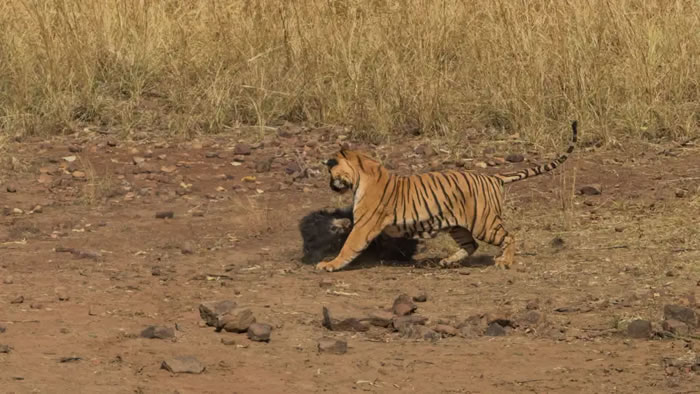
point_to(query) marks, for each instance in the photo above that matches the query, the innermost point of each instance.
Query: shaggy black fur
(325, 231)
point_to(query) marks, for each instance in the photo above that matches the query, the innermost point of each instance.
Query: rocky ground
(147, 265)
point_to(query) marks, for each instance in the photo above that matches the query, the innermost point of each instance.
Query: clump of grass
(625, 69)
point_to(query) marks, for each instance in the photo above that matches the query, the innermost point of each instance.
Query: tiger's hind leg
(498, 236)
(467, 246)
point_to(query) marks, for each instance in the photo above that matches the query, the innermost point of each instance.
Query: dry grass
(626, 69)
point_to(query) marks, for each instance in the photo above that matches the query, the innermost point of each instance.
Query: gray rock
(213, 312)
(515, 158)
(242, 149)
(420, 297)
(495, 330)
(682, 314)
(380, 318)
(238, 320)
(5, 348)
(183, 364)
(675, 327)
(259, 332)
(400, 321)
(590, 190)
(639, 328)
(158, 332)
(403, 305)
(415, 331)
(332, 346)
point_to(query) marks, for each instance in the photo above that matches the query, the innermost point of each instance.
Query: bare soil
(85, 272)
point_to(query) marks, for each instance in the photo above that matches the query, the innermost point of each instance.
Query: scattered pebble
(332, 346)
(403, 305)
(237, 320)
(480, 164)
(242, 149)
(187, 248)
(165, 215)
(590, 190)
(8, 280)
(62, 294)
(639, 328)
(17, 300)
(682, 314)
(259, 332)
(420, 298)
(158, 332)
(11, 189)
(183, 364)
(214, 312)
(228, 341)
(5, 348)
(2, 329)
(515, 158)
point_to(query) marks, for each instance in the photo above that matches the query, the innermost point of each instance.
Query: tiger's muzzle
(339, 185)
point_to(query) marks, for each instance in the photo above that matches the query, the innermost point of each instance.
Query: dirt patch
(96, 265)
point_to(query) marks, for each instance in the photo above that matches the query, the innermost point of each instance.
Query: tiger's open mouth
(339, 185)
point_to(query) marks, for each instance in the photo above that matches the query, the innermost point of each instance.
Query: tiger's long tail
(534, 171)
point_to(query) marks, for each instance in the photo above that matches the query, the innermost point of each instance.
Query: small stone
(75, 149)
(17, 300)
(212, 155)
(398, 322)
(213, 312)
(326, 283)
(413, 331)
(332, 346)
(165, 215)
(187, 248)
(2, 329)
(242, 149)
(532, 305)
(228, 341)
(158, 332)
(445, 330)
(675, 327)
(491, 163)
(590, 190)
(381, 318)
(531, 317)
(515, 158)
(420, 298)
(264, 165)
(680, 193)
(8, 280)
(495, 330)
(62, 294)
(5, 348)
(138, 160)
(259, 332)
(79, 175)
(403, 305)
(639, 329)
(183, 364)
(238, 320)
(11, 189)
(36, 305)
(425, 150)
(480, 164)
(681, 313)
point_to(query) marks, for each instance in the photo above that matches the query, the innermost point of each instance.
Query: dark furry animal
(324, 232)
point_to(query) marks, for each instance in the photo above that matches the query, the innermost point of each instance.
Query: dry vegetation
(626, 69)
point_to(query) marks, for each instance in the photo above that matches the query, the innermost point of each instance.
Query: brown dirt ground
(625, 254)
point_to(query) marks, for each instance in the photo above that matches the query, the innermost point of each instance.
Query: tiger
(465, 204)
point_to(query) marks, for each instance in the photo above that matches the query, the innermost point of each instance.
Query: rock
(212, 155)
(532, 305)
(480, 164)
(420, 298)
(17, 300)
(681, 313)
(531, 318)
(238, 320)
(75, 149)
(8, 280)
(138, 160)
(675, 327)
(397, 322)
(515, 158)
(79, 174)
(350, 324)
(228, 341)
(495, 330)
(639, 329)
(590, 190)
(403, 305)
(2, 329)
(187, 248)
(165, 215)
(11, 189)
(259, 332)
(158, 332)
(326, 283)
(332, 346)
(5, 348)
(381, 318)
(36, 305)
(491, 163)
(425, 150)
(62, 294)
(680, 193)
(183, 364)
(242, 149)
(213, 312)
(445, 330)
(413, 331)
(264, 165)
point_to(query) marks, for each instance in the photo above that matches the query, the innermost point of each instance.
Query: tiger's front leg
(357, 241)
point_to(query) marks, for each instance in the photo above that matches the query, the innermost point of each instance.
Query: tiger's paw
(327, 266)
(447, 263)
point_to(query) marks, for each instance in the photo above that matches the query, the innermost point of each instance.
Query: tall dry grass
(624, 68)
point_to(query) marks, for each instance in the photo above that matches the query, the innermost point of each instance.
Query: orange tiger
(467, 205)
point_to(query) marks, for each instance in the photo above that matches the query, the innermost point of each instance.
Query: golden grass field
(625, 69)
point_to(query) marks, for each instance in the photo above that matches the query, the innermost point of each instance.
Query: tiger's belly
(422, 230)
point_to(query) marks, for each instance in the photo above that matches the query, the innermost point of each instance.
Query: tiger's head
(347, 167)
